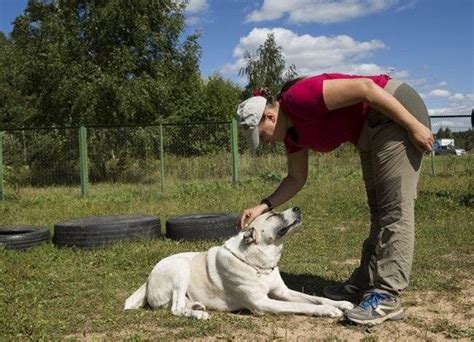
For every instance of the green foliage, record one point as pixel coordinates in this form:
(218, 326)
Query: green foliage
(105, 63)
(444, 133)
(266, 68)
(219, 99)
(15, 106)
(461, 139)
(464, 139)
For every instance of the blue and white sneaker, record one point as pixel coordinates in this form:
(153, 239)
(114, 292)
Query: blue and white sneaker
(376, 308)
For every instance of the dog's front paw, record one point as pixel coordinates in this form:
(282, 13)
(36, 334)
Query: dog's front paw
(201, 315)
(330, 311)
(344, 305)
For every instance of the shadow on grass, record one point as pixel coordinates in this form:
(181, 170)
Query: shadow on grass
(307, 283)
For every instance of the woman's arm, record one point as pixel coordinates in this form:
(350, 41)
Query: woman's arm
(289, 186)
(345, 92)
(294, 181)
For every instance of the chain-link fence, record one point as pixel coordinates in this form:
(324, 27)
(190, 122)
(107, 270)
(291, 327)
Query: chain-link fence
(157, 154)
(456, 127)
(454, 137)
(40, 157)
(161, 154)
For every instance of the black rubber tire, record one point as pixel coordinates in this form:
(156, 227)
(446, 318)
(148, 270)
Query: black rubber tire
(208, 226)
(23, 237)
(96, 232)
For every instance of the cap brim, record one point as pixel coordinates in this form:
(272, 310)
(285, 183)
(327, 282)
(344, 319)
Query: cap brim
(253, 138)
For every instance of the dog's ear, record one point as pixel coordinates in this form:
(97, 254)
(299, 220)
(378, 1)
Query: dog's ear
(251, 235)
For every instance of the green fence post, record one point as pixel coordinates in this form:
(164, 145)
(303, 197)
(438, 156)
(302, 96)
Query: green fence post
(162, 161)
(432, 156)
(235, 151)
(83, 161)
(2, 189)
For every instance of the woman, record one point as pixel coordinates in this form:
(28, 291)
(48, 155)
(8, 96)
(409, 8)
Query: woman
(388, 122)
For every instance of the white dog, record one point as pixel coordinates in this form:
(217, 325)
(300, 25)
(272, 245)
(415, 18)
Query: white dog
(241, 274)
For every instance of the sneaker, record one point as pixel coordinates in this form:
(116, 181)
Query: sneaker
(344, 291)
(376, 308)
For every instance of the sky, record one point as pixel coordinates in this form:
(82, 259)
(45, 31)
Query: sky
(427, 43)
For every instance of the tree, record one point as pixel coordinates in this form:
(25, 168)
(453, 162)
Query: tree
(444, 133)
(220, 98)
(217, 101)
(266, 68)
(104, 62)
(15, 107)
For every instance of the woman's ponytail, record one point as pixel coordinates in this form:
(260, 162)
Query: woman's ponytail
(264, 92)
(288, 85)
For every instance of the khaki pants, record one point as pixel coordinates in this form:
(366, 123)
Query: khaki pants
(390, 167)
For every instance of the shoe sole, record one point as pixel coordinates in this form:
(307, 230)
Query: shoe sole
(393, 316)
(349, 298)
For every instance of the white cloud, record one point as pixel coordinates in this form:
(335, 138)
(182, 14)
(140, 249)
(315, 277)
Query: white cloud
(323, 11)
(456, 104)
(417, 82)
(459, 110)
(315, 54)
(196, 6)
(457, 96)
(439, 93)
(193, 11)
(193, 20)
(442, 84)
(407, 5)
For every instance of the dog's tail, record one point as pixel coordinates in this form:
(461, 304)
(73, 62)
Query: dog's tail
(137, 299)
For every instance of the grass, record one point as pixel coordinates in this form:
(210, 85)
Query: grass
(50, 293)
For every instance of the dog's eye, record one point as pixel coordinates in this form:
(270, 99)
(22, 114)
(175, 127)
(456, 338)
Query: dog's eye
(283, 231)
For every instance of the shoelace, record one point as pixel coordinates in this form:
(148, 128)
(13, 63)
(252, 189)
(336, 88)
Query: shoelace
(372, 300)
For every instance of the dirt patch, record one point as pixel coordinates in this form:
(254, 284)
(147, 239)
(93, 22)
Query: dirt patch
(349, 262)
(455, 256)
(429, 316)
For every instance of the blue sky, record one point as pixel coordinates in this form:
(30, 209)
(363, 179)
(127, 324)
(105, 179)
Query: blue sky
(428, 43)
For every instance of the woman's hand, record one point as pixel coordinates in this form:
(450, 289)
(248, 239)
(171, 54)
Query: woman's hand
(248, 215)
(421, 137)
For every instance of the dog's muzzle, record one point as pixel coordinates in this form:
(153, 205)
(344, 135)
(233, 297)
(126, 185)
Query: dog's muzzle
(282, 232)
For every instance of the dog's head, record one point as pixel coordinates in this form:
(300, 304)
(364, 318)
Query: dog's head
(273, 228)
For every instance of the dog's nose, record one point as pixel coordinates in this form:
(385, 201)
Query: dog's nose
(296, 209)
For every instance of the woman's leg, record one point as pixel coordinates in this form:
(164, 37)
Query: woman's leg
(362, 276)
(395, 168)
(396, 165)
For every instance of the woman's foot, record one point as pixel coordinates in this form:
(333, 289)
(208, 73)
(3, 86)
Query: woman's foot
(376, 308)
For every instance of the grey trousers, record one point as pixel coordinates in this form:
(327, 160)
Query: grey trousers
(390, 167)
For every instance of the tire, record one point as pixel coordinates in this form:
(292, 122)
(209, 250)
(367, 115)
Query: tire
(96, 232)
(209, 226)
(23, 237)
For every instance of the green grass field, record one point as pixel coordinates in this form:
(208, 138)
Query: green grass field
(48, 293)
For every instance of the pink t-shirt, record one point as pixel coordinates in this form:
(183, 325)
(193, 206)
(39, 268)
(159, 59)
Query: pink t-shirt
(314, 126)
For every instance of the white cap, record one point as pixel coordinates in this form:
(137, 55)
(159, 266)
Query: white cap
(249, 115)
